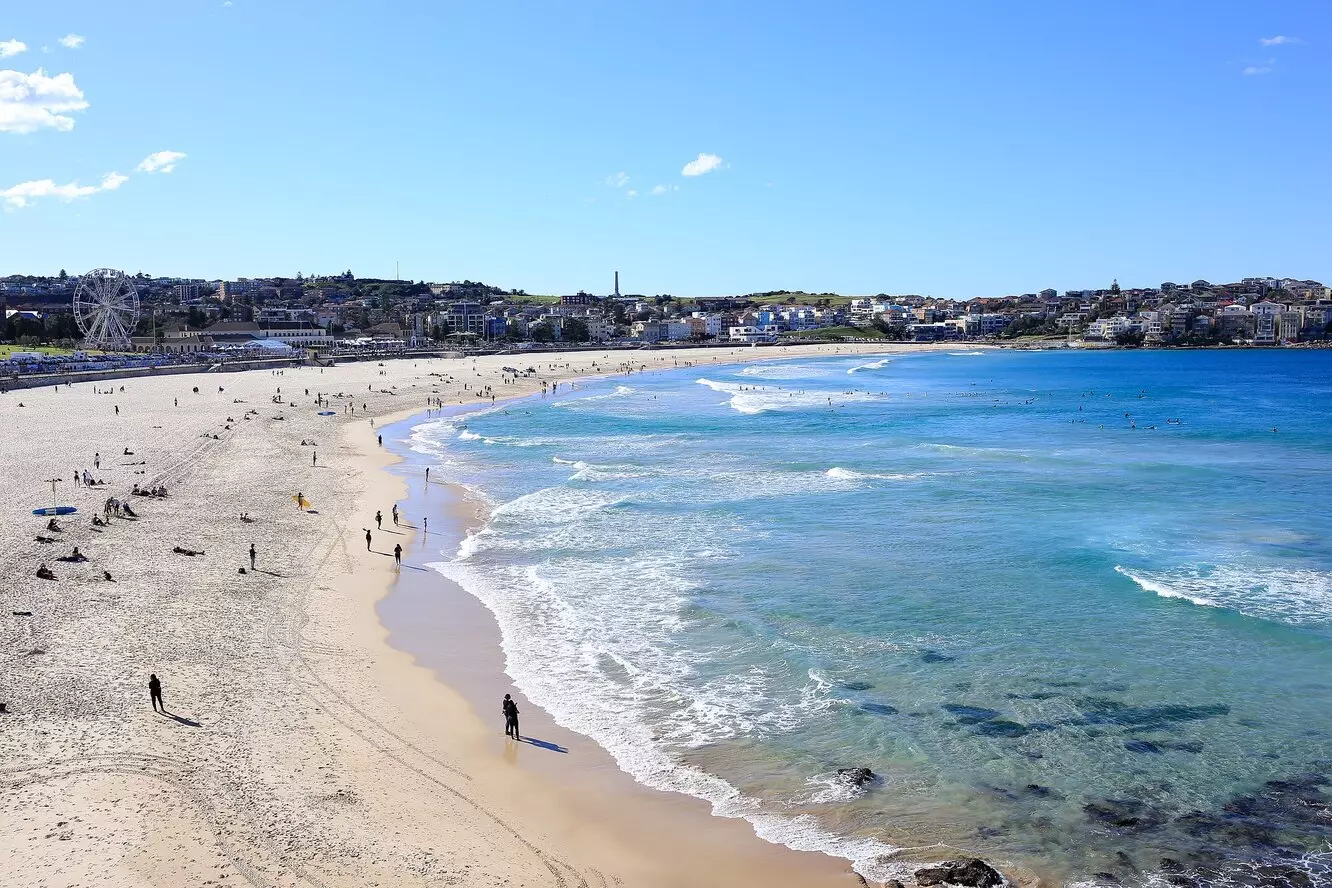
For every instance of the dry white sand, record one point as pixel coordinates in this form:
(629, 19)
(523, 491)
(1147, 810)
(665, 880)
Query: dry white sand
(299, 748)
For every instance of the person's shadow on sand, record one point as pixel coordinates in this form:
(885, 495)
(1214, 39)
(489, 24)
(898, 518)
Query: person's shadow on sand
(545, 744)
(187, 722)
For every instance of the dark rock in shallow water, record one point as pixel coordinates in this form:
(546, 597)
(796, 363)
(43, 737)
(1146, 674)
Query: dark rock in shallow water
(1171, 865)
(1189, 746)
(856, 776)
(1102, 711)
(879, 708)
(936, 657)
(1107, 877)
(1145, 746)
(1232, 832)
(1123, 813)
(1040, 792)
(973, 872)
(1282, 876)
(1000, 728)
(857, 685)
(1123, 861)
(970, 715)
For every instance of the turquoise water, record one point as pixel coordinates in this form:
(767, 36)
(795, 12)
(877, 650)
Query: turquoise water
(1066, 632)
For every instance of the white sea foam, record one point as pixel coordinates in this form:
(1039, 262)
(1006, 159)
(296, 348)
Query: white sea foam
(761, 399)
(966, 354)
(842, 474)
(874, 365)
(1283, 595)
(465, 435)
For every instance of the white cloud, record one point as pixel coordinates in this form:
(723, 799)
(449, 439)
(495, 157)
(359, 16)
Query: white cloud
(12, 48)
(72, 41)
(24, 193)
(1279, 40)
(1256, 70)
(161, 161)
(704, 163)
(29, 102)
(618, 180)
(631, 194)
(664, 189)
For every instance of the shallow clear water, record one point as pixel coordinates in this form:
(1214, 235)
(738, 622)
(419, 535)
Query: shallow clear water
(1065, 632)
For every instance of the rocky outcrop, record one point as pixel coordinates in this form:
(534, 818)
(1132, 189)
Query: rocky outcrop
(856, 776)
(972, 872)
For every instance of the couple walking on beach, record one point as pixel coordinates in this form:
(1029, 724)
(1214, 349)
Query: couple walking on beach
(510, 709)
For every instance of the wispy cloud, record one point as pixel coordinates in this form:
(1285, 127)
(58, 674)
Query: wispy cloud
(72, 41)
(704, 163)
(161, 161)
(29, 102)
(12, 48)
(1279, 40)
(663, 189)
(631, 194)
(25, 193)
(618, 180)
(1256, 70)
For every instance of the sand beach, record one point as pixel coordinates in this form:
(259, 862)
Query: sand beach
(299, 746)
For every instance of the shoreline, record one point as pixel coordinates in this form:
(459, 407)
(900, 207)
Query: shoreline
(426, 624)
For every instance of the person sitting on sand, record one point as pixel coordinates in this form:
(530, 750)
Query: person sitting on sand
(128, 452)
(129, 513)
(44, 573)
(76, 555)
(53, 525)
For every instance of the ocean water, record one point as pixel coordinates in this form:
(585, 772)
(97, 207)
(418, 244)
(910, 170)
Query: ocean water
(1073, 609)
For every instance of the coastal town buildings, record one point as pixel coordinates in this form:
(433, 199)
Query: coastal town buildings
(331, 313)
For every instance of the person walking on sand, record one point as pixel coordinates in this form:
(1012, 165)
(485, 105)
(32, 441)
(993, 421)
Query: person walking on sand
(397, 554)
(381, 440)
(367, 539)
(252, 555)
(314, 458)
(427, 474)
(395, 514)
(155, 693)
(510, 717)
(379, 520)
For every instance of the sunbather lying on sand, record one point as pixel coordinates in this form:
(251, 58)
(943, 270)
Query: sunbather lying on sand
(191, 552)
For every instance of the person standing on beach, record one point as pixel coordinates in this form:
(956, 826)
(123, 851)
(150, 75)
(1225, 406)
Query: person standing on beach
(379, 520)
(427, 474)
(510, 709)
(155, 693)
(314, 458)
(367, 539)
(252, 555)
(397, 554)
(97, 460)
(395, 514)
(381, 440)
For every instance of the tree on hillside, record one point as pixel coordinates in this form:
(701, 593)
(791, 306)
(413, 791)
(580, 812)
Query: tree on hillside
(575, 330)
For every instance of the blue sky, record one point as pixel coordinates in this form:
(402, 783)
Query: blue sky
(947, 148)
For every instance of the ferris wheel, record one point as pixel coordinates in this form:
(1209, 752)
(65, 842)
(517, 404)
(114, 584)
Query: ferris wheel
(106, 308)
